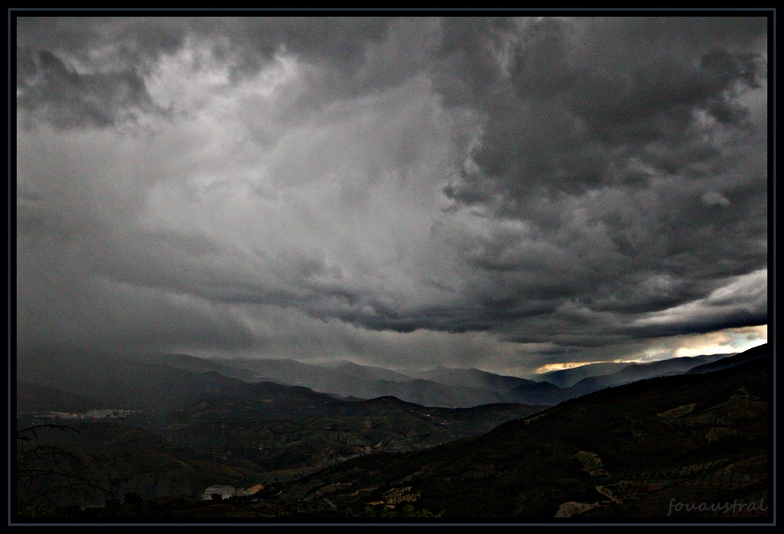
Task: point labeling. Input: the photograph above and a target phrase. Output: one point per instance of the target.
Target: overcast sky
(498, 193)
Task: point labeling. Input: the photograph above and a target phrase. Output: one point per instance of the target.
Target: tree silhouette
(46, 472)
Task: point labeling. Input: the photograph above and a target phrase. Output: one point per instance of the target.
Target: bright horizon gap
(729, 341)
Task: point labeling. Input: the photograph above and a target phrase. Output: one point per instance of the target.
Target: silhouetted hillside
(760, 351)
(638, 371)
(33, 398)
(126, 383)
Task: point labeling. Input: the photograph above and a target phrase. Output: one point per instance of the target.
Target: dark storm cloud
(603, 117)
(702, 323)
(67, 99)
(467, 69)
(741, 302)
(341, 42)
(111, 52)
(341, 58)
(553, 182)
(131, 40)
(122, 50)
(581, 95)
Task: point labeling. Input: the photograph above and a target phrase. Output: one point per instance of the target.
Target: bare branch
(45, 471)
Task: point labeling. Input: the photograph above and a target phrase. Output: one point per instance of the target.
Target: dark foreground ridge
(640, 451)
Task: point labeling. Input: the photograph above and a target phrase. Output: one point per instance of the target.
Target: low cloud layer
(501, 193)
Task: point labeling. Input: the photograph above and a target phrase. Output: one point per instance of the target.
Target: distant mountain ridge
(192, 363)
(155, 380)
(458, 387)
(474, 378)
(629, 373)
(348, 379)
(569, 377)
(640, 371)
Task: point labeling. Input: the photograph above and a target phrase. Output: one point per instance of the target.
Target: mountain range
(442, 386)
(167, 381)
(456, 387)
(614, 445)
(636, 451)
